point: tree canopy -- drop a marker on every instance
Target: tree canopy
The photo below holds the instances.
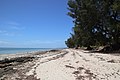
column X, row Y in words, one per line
column 96, row 22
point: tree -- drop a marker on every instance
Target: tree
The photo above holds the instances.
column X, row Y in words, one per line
column 95, row 21
column 83, row 14
column 70, row 42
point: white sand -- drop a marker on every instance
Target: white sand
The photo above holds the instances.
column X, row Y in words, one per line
column 77, row 65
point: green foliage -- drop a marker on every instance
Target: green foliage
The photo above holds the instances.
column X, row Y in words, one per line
column 96, row 22
column 70, row 42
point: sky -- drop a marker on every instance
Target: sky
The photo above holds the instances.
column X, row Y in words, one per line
column 34, row 23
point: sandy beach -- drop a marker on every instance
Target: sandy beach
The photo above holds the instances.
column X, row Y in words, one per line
column 65, row 64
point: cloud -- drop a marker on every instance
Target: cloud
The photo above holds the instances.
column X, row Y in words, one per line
column 15, row 25
column 4, row 43
column 43, row 42
column 11, row 25
column 6, row 33
column 2, row 31
column 33, row 44
column 11, row 29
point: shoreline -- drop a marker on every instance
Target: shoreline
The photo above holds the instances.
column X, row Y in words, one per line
column 21, row 54
column 22, row 50
column 64, row 64
column 14, row 63
column 13, row 55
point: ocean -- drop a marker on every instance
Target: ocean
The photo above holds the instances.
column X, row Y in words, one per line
column 21, row 50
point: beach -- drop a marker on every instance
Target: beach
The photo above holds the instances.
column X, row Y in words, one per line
column 65, row 64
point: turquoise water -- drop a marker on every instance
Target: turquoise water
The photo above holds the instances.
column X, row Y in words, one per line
column 20, row 50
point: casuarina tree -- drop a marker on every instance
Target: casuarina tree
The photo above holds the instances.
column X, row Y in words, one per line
column 96, row 22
